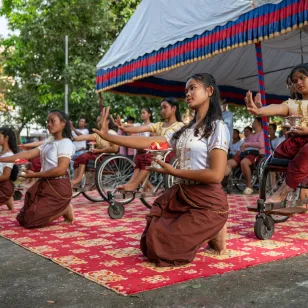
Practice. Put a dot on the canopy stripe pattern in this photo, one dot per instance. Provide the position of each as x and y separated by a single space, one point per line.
262 23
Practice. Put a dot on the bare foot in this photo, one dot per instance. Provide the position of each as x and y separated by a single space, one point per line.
69 216
128 187
217 245
280 195
10 204
304 196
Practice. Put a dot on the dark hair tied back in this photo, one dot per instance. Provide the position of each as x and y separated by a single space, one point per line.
173 103
214 112
150 112
301 68
67 132
12 142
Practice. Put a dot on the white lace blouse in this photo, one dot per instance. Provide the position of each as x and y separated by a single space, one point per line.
52 150
193 152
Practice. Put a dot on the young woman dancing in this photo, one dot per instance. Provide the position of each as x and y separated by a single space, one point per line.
295 147
170 111
9 147
49 198
195 210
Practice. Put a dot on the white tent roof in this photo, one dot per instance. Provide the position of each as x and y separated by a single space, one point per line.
238 67
157 24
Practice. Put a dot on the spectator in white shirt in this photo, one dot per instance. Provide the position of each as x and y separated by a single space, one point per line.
235 146
81 146
274 140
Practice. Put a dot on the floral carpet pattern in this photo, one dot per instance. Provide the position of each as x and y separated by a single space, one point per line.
107 251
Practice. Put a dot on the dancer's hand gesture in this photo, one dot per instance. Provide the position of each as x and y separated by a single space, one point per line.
253 105
104 123
120 125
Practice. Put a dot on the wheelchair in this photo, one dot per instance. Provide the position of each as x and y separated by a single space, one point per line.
236 177
272 177
104 174
158 181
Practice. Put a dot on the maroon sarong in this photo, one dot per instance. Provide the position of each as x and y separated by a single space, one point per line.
43 200
6 191
85 157
295 148
142 160
181 221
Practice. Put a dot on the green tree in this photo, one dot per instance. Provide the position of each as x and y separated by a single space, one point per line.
35 56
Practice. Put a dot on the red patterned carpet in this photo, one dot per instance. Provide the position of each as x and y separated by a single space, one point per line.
107 251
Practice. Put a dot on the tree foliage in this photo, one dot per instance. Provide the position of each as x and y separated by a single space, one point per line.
35 55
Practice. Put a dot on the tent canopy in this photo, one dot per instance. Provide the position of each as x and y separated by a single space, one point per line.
161 47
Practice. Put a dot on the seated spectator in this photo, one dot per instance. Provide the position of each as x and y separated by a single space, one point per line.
102 146
235 146
247 131
274 140
251 148
81 146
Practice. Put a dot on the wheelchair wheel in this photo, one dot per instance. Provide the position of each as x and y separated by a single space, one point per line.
116 211
264 227
270 183
82 185
169 179
91 192
112 172
156 182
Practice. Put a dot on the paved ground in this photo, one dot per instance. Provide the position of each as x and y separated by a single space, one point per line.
30 281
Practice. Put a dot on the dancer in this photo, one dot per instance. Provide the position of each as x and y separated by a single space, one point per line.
170 111
49 198
9 147
195 210
295 147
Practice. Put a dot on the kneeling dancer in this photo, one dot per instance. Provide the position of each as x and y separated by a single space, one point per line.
195 210
49 198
